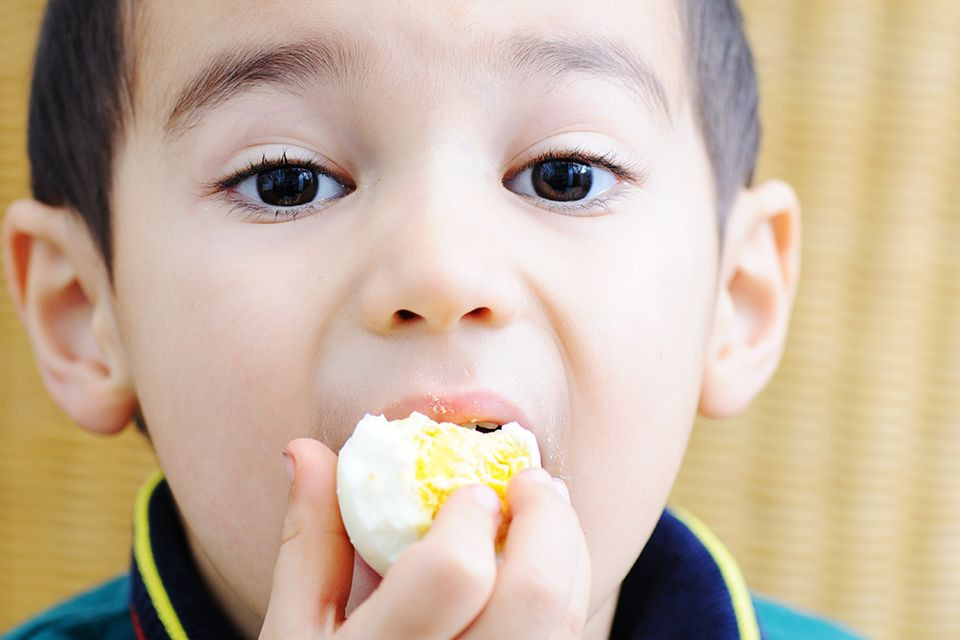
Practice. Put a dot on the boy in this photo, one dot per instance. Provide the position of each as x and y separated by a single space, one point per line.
253 222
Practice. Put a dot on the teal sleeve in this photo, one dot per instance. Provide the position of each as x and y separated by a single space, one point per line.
779 622
102 613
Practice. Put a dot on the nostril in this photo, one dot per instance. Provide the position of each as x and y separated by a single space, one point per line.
404 315
480 313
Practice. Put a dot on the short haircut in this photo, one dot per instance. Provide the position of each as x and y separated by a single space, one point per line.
80 99
721 76
82 94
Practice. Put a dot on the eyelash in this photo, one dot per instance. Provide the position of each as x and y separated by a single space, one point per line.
258 212
630 172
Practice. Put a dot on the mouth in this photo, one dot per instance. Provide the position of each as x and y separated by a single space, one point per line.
483 427
482 411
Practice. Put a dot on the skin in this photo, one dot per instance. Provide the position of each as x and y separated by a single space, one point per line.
238 339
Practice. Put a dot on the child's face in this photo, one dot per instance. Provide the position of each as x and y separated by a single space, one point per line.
425 273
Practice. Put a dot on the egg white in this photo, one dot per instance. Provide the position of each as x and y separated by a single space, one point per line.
377 488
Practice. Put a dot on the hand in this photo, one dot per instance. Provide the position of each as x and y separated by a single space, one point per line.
542 588
447 584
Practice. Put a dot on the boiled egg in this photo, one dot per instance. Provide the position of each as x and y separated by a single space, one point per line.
393 476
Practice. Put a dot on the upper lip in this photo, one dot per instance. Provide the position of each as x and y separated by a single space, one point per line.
458 407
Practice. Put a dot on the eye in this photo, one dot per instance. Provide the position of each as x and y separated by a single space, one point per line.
286 188
568 176
288 185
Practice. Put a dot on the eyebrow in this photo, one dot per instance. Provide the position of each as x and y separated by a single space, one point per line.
296 65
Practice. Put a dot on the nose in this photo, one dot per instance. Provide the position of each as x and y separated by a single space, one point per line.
440 270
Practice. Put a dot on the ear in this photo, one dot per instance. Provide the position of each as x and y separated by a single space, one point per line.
756 287
63 295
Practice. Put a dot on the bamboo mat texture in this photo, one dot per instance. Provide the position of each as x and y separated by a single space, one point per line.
838 490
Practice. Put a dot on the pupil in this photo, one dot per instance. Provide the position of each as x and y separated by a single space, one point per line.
287 186
562 180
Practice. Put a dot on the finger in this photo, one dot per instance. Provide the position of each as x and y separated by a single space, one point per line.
311 577
440 583
543 583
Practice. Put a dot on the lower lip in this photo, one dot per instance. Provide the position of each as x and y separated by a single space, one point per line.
458 408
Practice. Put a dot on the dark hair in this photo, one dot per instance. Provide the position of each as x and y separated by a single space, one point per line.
723 82
79 100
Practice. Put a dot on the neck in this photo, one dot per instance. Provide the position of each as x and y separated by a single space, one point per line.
241 615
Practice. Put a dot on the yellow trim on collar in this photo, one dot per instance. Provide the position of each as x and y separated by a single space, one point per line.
143 551
732 577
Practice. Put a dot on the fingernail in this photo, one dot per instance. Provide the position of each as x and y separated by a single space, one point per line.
290 464
539 475
561 487
485 496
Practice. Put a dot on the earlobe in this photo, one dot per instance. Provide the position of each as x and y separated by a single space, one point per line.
756 288
61 291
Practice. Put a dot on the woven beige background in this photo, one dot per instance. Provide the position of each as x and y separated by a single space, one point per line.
838 491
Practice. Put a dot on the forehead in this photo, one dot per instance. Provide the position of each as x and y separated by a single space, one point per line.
393 45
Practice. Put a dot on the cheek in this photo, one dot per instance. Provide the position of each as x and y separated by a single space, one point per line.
639 390
219 352
223 355
635 357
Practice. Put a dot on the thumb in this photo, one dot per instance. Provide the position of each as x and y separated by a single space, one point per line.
311 578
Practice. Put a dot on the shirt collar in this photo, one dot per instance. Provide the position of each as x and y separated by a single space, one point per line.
685 584
168 597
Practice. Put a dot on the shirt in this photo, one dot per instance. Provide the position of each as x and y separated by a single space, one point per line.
683 585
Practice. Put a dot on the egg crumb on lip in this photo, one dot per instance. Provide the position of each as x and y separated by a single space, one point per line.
393 477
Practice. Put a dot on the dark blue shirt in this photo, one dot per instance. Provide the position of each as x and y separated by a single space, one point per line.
684 585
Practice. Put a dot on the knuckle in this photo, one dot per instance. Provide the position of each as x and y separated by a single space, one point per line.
570 624
292 528
453 570
463 567
539 594
551 603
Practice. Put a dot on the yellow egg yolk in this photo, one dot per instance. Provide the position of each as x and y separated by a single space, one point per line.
450 456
